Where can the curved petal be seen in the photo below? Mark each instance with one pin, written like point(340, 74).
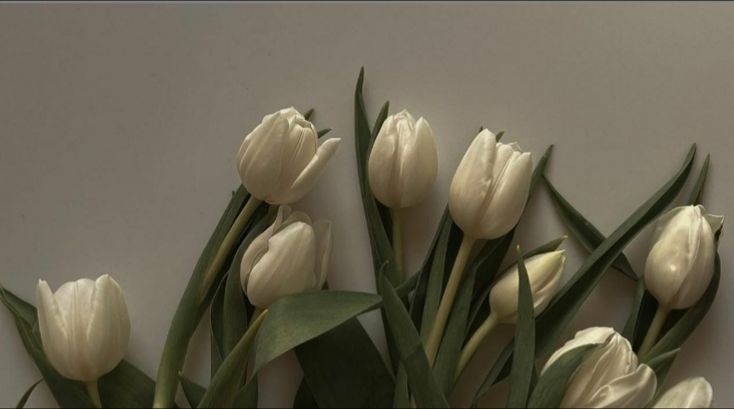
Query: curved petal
point(508, 196)
point(589, 336)
point(690, 393)
point(418, 165)
point(75, 304)
point(259, 245)
point(634, 390)
point(299, 149)
point(308, 177)
point(261, 163)
point(108, 330)
point(52, 326)
point(383, 167)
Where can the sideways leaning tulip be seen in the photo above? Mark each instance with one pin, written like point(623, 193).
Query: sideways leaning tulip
point(289, 257)
point(544, 274)
point(608, 376)
point(690, 393)
point(85, 328)
point(490, 187)
point(280, 160)
point(680, 264)
point(403, 162)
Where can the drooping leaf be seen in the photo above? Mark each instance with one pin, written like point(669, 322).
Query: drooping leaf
point(344, 369)
point(192, 391)
point(586, 233)
point(551, 324)
point(423, 385)
point(523, 361)
point(24, 399)
point(298, 318)
point(552, 383)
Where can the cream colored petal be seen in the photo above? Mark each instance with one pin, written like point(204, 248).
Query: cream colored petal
point(75, 303)
point(108, 331)
point(261, 163)
point(509, 194)
point(716, 222)
point(256, 136)
point(690, 393)
point(299, 149)
point(471, 183)
point(259, 245)
point(383, 168)
point(308, 177)
point(589, 336)
point(634, 390)
point(322, 228)
point(54, 336)
point(418, 165)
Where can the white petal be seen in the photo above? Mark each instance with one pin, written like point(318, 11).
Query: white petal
point(108, 330)
point(634, 390)
point(589, 336)
point(322, 228)
point(507, 197)
point(383, 167)
point(298, 150)
point(260, 165)
point(54, 336)
point(259, 245)
point(690, 393)
point(308, 177)
point(418, 165)
point(75, 303)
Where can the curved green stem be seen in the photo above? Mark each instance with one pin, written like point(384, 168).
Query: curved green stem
point(93, 392)
point(474, 342)
point(447, 301)
point(397, 242)
point(654, 331)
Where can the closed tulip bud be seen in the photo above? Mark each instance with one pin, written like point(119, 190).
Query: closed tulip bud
point(544, 274)
point(84, 327)
point(403, 162)
point(609, 376)
point(690, 393)
point(291, 256)
point(280, 160)
point(490, 187)
point(680, 264)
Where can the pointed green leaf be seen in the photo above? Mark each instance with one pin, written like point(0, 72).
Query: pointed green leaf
point(697, 192)
point(552, 383)
point(523, 361)
point(192, 391)
point(308, 114)
point(323, 132)
point(24, 399)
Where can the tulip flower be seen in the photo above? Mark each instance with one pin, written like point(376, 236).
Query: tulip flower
point(609, 375)
point(544, 274)
point(85, 328)
point(486, 198)
point(280, 160)
point(690, 393)
point(403, 162)
point(490, 187)
point(291, 256)
point(680, 263)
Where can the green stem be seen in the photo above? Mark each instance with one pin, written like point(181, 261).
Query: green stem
point(474, 342)
point(93, 392)
point(397, 242)
point(222, 390)
point(654, 331)
point(189, 312)
point(447, 301)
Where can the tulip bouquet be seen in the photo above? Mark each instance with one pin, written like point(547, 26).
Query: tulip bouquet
point(262, 278)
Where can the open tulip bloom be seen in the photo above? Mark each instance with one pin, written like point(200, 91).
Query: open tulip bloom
point(261, 280)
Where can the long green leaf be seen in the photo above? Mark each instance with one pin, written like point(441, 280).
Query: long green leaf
point(24, 399)
point(412, 355)
point(551, 324)
point(247, 396)
point(523, 361)
point(552, 383)
point(304, 398)
point(586, 233)
point(436, 277)
point(298, 318)
point(697, 192)
point(192, 391)
point(344, 369)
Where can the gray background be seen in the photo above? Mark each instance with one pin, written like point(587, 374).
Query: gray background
point(119, 126)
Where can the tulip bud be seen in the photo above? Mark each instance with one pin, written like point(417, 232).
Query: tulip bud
point(490, 187)
point(690, 393)
point(680, 264)
point(608, 376)
point(280, 160)
point(84, 327)
point(403, 161)
point(544, 274)
point(289, 257)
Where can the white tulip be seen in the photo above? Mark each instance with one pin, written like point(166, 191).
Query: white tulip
point(544, 274)
point(280, 160)
point(291, 256)
point(403, 162)
point(608, 376)
point(85, 327)
point(490, 187)
point(690, 393)
point(680, 264)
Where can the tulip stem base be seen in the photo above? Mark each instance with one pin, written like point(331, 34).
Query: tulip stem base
point(447, 301)
point(474, 342)
point(397, 242)
point(93, 392)
point(654, 331)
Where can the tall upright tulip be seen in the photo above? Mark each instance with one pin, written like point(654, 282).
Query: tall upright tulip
point(608, 376)
point(291, 256)
point(486, 199)
point(85, 328)
point(689, 393)
point(280, 160)
point(680, 263)
point(544, 274)
point(402, 168)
